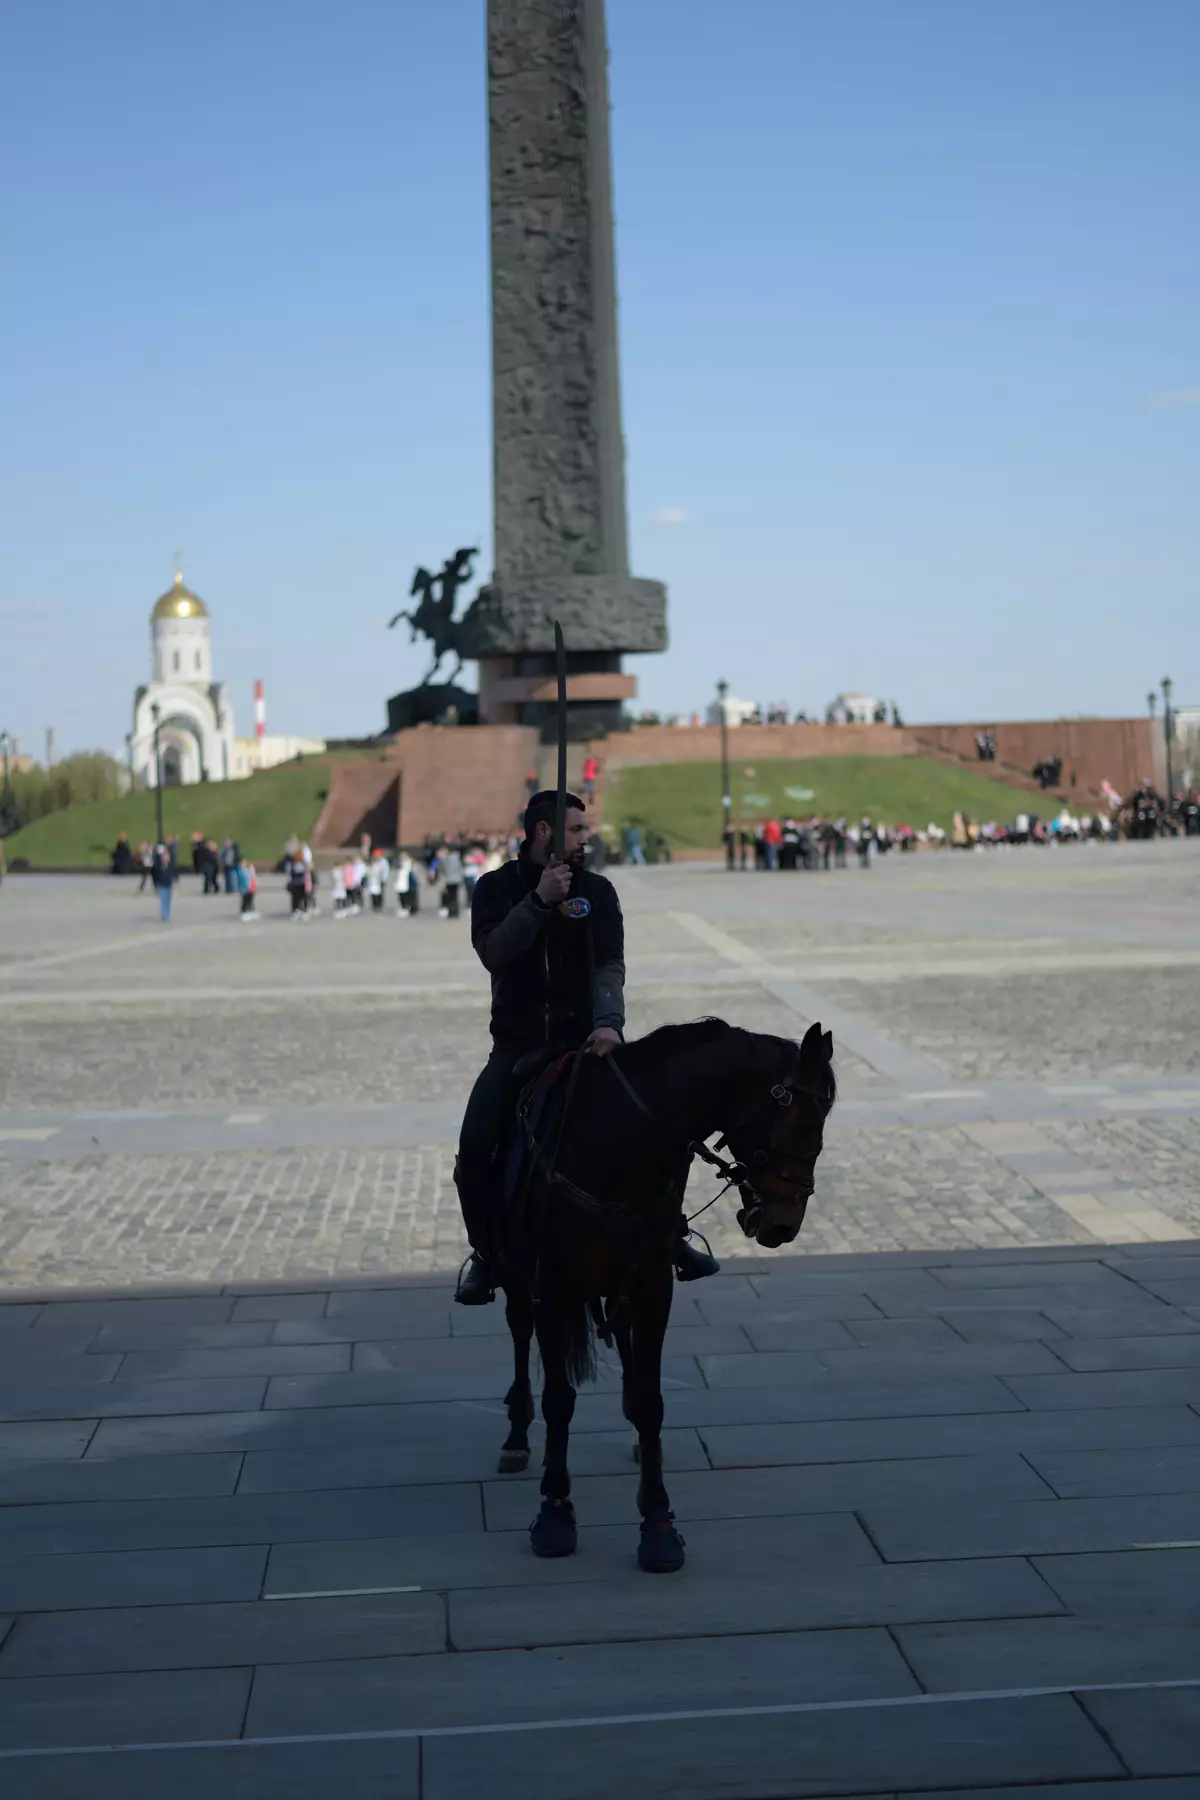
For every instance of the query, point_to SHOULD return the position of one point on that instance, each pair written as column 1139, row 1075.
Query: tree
column 75, row 781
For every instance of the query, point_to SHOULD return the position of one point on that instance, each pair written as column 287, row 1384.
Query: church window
column 177, row 662
column 197, row 662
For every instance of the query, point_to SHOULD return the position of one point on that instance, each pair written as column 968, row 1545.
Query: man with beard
column 552, row 938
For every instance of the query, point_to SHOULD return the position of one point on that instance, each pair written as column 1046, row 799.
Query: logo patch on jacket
column 576, row 909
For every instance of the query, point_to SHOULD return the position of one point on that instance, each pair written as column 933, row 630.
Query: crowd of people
column 221, row 869
column 825, row 843
column 445, row 871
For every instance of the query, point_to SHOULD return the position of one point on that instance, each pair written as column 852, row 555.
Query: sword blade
column 560, row 806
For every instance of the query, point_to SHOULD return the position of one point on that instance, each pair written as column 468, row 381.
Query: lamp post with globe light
column 156, row 715
column 1168, row 727
column 726, row 829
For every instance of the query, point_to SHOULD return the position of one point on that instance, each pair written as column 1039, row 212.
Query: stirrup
column 692, row 1264
column 474, row 1287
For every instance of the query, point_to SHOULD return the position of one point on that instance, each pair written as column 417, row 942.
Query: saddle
column 539, row 1084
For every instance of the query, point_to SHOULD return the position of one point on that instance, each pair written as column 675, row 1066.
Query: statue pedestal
column 429, row 705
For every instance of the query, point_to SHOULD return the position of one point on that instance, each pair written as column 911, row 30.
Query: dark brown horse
column 600, row 1218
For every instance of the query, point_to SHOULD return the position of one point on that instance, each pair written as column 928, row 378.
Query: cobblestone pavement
column 215, row 1102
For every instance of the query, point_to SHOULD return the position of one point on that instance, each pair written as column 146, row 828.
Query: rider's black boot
column 692, row 1263
column 475, row 1285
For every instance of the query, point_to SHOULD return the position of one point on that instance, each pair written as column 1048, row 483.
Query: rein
column 737, row 1173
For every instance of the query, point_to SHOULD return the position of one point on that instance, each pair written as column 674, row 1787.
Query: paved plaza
column 939, row 1471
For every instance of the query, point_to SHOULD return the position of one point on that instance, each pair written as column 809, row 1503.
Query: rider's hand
column 603, row 1041
column 555, row 883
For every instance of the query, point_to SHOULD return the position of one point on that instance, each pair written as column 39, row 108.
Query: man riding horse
column 552, row 938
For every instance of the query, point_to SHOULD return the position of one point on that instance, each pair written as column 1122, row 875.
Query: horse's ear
column 810, row 1045
column 827, row 1046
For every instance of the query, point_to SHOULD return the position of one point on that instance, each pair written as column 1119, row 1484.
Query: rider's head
column 539, row 827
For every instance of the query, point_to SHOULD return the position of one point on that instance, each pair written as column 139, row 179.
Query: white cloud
column 671, row 515
column 1179, row 397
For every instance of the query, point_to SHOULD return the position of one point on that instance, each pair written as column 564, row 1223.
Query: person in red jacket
column 773, row 837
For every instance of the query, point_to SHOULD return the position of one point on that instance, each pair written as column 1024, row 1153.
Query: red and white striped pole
column 260, row 719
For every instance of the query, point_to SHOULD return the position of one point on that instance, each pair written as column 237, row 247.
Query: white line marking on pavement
column 1168, row 1544
column 949, row 1094
column 245, row 1118
column 344, row 1593
column 508, row 1726
column 32, row 1134
column 715, row 938
column 36, row 963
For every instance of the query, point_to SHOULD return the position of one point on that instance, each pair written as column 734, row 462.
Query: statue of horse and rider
column 433, row 617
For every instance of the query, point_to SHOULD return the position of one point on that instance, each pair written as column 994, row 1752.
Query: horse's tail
column 579, row 1340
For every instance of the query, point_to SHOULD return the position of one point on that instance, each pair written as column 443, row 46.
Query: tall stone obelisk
column 561, row 546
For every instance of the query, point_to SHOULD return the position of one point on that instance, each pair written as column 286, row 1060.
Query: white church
column 194, row 712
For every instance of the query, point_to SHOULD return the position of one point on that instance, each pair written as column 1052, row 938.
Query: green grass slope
column 261, row 813
column 683, row 800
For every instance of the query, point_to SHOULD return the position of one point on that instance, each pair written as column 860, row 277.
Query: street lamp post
column 8, row 812
column 1152, row 702
column 1168, row 727
column 727, row 830
column 156, row 715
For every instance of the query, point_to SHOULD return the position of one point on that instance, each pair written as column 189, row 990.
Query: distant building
column 267, row 752
column 737, row 712
column 195, row 735
column 854, row 709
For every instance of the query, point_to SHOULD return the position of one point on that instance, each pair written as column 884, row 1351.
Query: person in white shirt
column 377, row 877
column 408, row 888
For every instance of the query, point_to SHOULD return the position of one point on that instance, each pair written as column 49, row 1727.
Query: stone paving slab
column 153, row 1706
column 501, row 1618
column 1154, row 1733
column 248, row 1633
column 1082, row 1474
column 306, row 1771
column 190, row 1523
column 133, row 1478
column 578, row 1682
column 1031, row 1527
column 129, row 1578
column 1025, row 1653
column 1135, row 1584
column 838, row 1752
column 956, row 1434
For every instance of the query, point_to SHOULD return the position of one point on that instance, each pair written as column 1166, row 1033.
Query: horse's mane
column 672, row 1040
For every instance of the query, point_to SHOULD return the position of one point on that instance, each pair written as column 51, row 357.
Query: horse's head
column 777, row 1142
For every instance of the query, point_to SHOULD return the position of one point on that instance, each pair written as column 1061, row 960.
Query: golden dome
column 179, row 602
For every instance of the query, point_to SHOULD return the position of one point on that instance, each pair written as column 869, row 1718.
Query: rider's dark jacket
column 557, row 972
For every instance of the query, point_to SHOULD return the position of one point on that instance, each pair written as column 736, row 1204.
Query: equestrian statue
column 433, row 617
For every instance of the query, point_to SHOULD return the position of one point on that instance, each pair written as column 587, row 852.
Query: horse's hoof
column 660, row 1551
column 553, row 1532
column 513, row 1462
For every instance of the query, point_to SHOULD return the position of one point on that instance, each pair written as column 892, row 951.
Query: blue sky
column 909, row 302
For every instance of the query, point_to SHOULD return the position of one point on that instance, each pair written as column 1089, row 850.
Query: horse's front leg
column 621, row 1337
column 518, row 1310
column 660, row 1549
column 553, row 1531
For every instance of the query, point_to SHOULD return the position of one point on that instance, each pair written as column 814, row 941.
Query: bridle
column 741, row 1172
